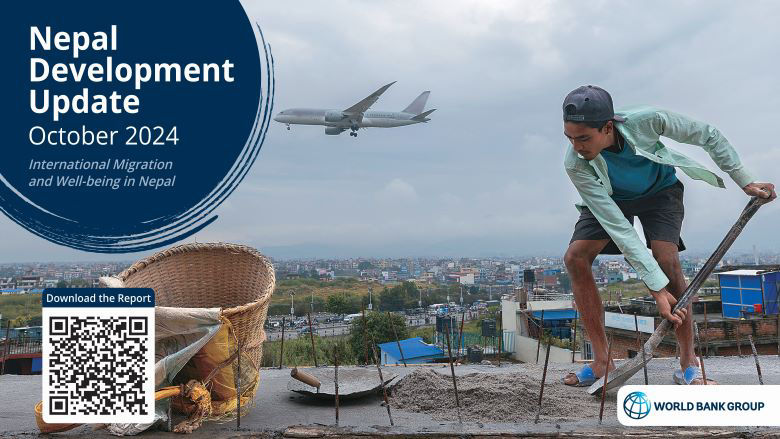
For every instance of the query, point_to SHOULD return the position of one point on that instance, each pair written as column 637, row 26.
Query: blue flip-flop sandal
column 585, row 377
column 687, row 377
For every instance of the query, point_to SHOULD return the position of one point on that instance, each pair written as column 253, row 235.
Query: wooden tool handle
column 305, row 378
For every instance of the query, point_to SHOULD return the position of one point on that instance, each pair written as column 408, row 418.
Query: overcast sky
column 485, row 176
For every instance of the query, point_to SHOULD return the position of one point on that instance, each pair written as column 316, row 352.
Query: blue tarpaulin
column 414, row 348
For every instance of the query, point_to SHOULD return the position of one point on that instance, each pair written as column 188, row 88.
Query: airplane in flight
column 358, row 116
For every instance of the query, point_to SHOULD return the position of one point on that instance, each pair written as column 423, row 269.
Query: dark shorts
column 661, row 215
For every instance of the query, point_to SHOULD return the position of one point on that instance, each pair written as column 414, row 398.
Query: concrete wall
column 538, row 305
column 509, row 314
column 719, row 337
column 525, row 351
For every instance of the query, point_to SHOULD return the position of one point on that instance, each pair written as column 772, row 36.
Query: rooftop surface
column 281, row 413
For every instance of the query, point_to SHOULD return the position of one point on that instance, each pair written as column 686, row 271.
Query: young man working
column 621, row 170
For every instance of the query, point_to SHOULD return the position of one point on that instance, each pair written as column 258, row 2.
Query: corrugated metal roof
column 742, row 272
column 412, row 347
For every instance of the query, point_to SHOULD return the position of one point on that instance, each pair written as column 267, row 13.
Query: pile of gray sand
column 496, row 397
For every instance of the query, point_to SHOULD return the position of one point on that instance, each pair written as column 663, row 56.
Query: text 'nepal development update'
column 107, row 71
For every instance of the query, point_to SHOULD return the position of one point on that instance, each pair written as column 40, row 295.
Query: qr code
column 98, row 368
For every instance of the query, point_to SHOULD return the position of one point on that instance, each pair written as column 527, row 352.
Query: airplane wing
column 362, row 106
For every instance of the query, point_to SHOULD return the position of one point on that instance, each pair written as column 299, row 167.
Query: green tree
column 390, row 299
column 400, row 297
column 365, row 265
column 376, row 328
column 338, row 304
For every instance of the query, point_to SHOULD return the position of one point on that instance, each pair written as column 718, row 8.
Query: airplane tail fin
column 423, row 117
column 418, row 104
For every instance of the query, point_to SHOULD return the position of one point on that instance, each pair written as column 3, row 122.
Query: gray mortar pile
column 503, row 397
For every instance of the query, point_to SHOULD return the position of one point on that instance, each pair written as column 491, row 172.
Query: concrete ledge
column 313, row 432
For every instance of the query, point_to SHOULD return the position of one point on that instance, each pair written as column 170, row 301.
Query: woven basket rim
column 207, row 246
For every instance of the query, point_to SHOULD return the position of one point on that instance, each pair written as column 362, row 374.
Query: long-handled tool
column 632, row 366
column 639, row 345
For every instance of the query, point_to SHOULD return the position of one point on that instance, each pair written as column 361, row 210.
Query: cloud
column 398, row 193
column 485, row 174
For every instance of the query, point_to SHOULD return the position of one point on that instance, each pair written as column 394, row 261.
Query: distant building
column 466, row 279
column 29, row 282
column 614, row 276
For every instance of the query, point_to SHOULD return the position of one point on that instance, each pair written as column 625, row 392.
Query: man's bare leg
column 669, row 259
column 579, row 259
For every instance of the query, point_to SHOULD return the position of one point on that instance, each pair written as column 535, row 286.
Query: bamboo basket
column 236, row 278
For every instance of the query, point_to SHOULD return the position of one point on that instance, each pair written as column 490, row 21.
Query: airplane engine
column 334, row 116
column 333, row 130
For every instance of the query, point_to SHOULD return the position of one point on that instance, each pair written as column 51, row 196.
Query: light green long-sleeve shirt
column 642, row 129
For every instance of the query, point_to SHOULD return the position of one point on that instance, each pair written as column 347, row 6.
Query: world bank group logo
column 636, row 405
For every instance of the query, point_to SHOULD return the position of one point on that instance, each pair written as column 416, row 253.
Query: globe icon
column 636, row 405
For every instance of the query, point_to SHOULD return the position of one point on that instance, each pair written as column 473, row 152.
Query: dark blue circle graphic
column 126, row 123
column 636, row 405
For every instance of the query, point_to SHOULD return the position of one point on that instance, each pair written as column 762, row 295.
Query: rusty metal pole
column 336, row 380
column 311, row 335
column 281, row 348
column 541, row 390
column 755, row 356
column 574, row 340
column 739, row 339
column 701, row 357
column 540, row 331
column 382, row 380
column 454, row 381
column 460, row 336
column 639, row 344
column 365, row 330
column 395, row 334
column 500, row 337
column 606, row 379
column 706, row 333
column 7, row 346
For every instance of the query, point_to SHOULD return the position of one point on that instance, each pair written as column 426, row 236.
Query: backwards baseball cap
column 589, row 103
